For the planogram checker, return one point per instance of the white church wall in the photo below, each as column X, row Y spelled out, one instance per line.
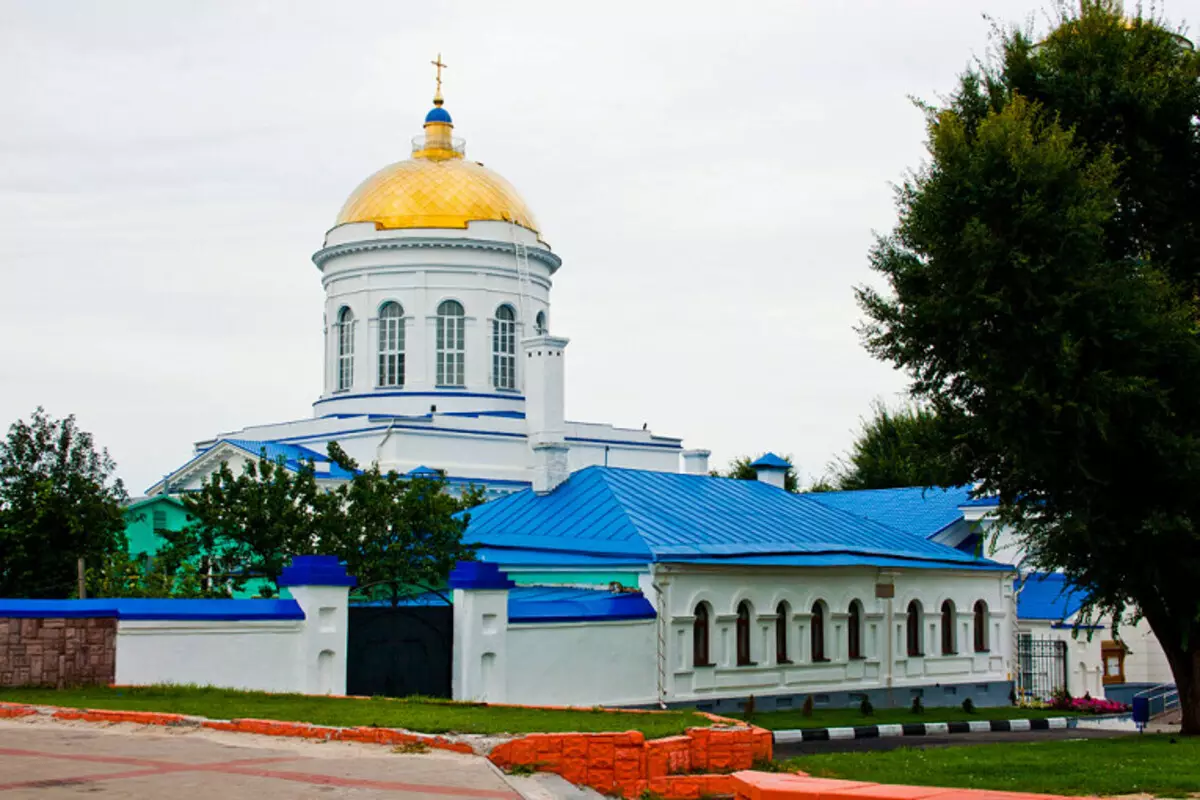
column 582, row 663
column 275, row 655
column 263, row 656
column 885, row 662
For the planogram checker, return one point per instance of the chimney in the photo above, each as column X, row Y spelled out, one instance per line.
column 695, row 462
column 771, row 469
column 545, row 423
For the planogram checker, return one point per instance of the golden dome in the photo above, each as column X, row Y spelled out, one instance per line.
column 436, row 188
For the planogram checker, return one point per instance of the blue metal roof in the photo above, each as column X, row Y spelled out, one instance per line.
column 528, row 557
column 920, row 511
column 983, row 502
column 292, row 455
column 153, row 608
column 672, row 517
column 562, row 604
column 772, row 461
column 1047, row 595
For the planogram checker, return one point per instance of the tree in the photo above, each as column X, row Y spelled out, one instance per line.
column 166, row 574
column 392, row 532
column 59, row 502
column 905, row 447
column 397, row 534
column 250, row 525
column 1043, row 277
column 740, row 469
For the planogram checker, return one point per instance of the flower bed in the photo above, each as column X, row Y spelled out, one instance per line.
column 1091, row 705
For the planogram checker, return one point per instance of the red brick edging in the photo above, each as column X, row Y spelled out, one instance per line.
column 265, row 727
column 798, row 786
column 677, row 767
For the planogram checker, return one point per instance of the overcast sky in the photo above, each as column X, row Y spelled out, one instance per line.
column 710, row 173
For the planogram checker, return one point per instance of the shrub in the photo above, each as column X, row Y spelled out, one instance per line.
column 917, row 706
column 968, row 706
column 807, row 708
column 1060, row 700
column 865, row 708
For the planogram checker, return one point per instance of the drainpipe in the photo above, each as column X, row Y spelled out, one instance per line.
column 660, row 606
column 891, row 651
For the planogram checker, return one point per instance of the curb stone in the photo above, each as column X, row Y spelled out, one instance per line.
column 922, row 729
column 266, row 727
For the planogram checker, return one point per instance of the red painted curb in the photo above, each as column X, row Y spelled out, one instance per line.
column 15, row 710
column 263, row 727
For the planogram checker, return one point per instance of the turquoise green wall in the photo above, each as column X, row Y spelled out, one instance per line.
column 140, row 520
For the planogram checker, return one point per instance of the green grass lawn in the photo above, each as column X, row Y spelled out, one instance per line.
column 845, row 717
column 1161, row 765
column 429, row 716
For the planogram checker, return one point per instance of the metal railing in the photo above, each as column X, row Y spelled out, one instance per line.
column 1154, row 701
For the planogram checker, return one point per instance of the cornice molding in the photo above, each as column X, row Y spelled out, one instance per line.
column 325, row 254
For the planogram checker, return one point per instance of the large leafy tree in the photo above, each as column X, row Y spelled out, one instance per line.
column 249, row 525
column 59, row 502
column 902, row 447
column 397, row 535
column 1043, row 280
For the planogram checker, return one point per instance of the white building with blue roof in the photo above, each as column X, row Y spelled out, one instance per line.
column 438, row 351
column 1053, row 645
column 755, row 591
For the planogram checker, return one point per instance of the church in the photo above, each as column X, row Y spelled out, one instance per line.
column 438, row 347
column 439, row 358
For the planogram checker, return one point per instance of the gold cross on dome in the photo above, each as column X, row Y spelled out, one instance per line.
column 437, row 97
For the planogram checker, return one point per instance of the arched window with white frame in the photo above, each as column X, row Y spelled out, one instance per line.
column 913, row 634
column 345, row 349
column 391, row 344
column 451, row 344
column 854, row 630
column 504, row 348
column 981, row 621
column 949, row 634
column 539, row 324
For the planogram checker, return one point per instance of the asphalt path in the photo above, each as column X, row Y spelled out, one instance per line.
column 938, row 740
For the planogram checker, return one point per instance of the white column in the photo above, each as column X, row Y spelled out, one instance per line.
column 321, row 587
column 478, row 672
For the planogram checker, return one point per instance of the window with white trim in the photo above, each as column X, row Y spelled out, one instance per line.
column 539, row 324
column 504, row 348
column 391, row 344
column 345, row 349
column 451, row 344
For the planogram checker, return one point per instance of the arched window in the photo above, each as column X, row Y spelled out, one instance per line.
column 345, row 349
column 700, row 637
column 981, row 621
column 504, row 348
column 818, row 631
column 913, row 629
column 743, row 634
column 949, row 635
column 539, row 324
column 451, row 344
column 391, row 345
column 783, row 613
column 854, row 629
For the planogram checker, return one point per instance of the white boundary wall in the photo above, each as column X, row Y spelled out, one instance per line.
column 275, row 655
column 581, row 663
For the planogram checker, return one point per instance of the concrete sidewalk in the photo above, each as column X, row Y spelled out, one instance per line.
column 44, row 759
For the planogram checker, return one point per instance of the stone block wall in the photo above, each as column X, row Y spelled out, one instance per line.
column 58, row 652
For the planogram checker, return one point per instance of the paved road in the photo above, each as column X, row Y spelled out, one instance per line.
column 947, row 740
column 56, row 760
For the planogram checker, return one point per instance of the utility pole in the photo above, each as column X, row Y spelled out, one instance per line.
column 81, row 575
